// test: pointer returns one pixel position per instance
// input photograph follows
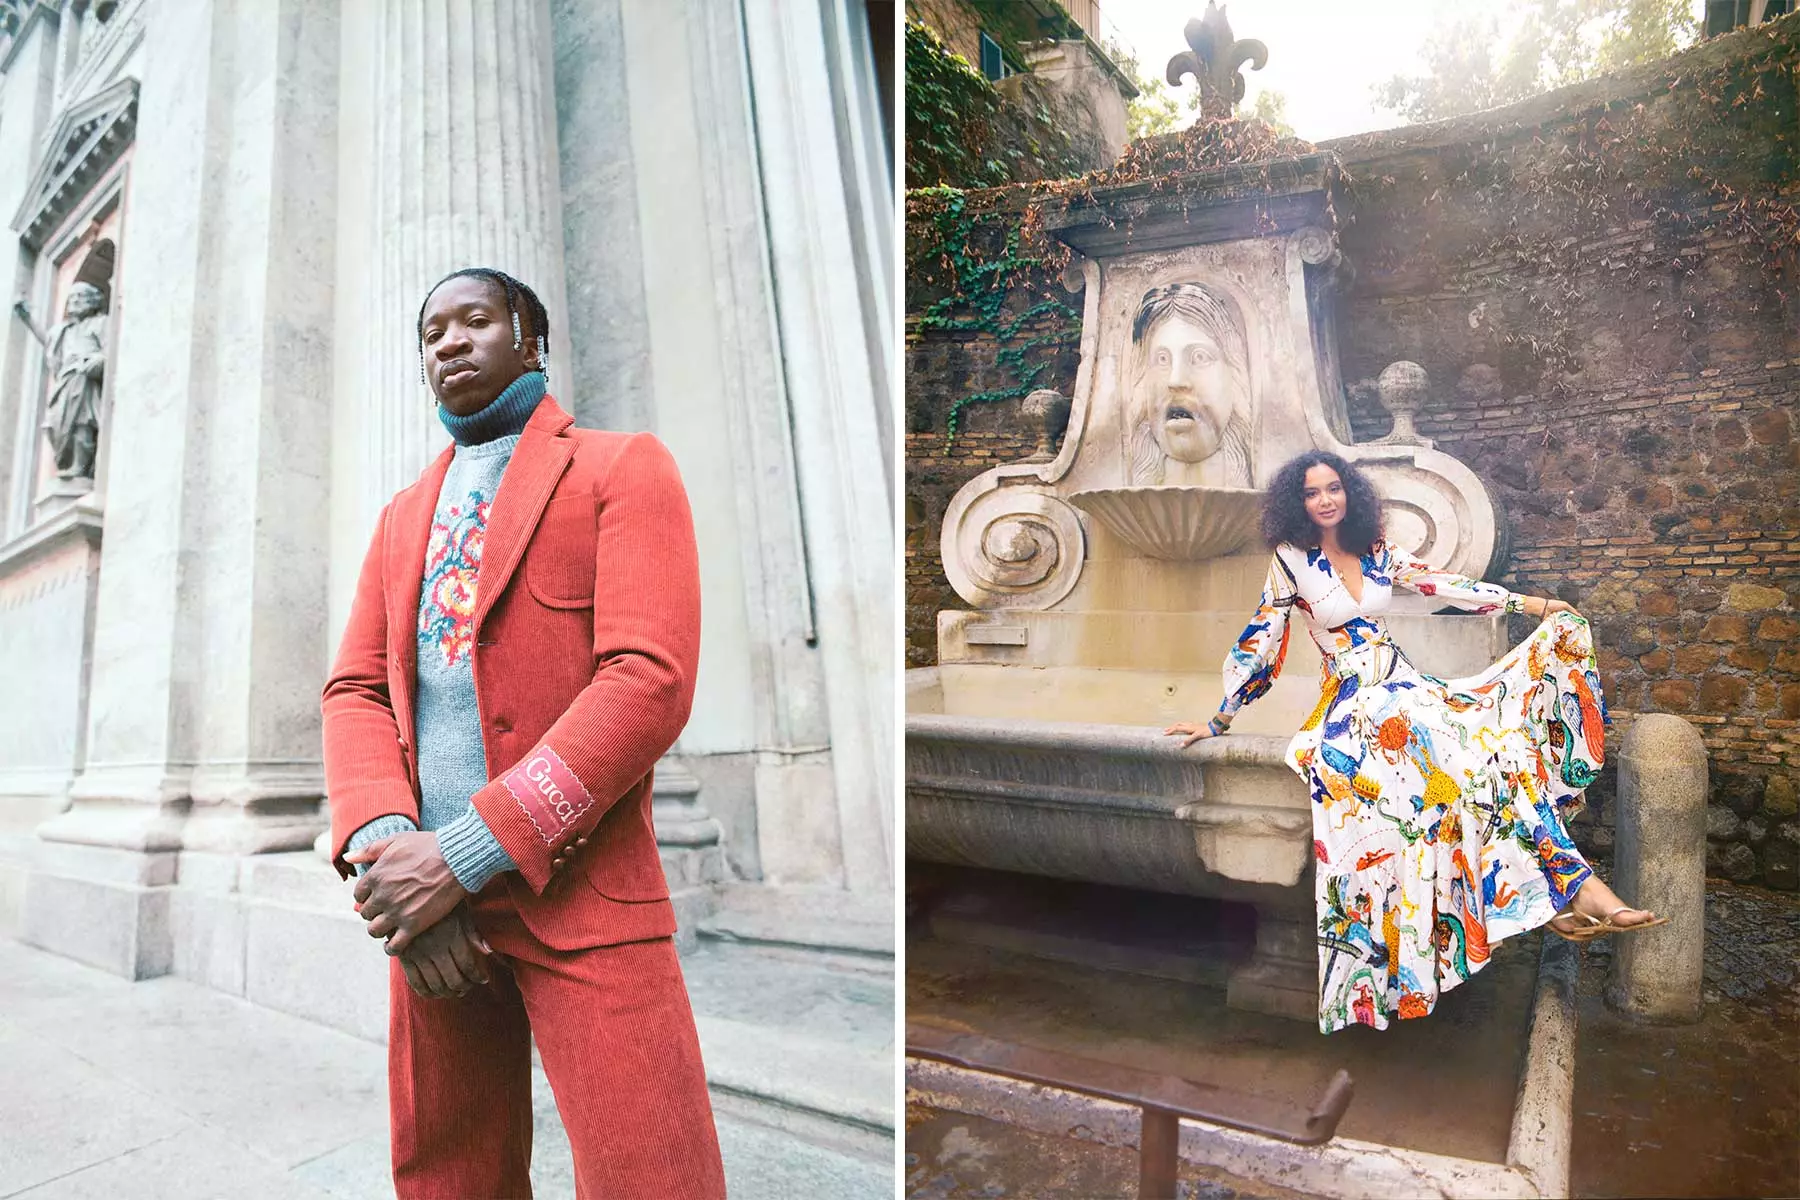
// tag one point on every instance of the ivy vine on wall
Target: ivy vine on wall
(961, 132)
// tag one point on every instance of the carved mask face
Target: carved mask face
(1187, 391)
(83, 301)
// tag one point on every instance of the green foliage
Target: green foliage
(1271, 109)
(1472, 64)
(960, 132)
(1154, 110)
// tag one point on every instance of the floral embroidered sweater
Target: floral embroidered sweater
(447, 724)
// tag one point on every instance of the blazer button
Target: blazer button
(582, 840)
(502, 725)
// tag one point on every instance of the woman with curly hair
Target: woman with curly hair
(1437, 804)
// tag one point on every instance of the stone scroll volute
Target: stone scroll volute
(1009, 541)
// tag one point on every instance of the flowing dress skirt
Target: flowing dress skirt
(1438, 812)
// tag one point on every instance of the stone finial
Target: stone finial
(1401, 389)
(1050, 408)
(1214, 60)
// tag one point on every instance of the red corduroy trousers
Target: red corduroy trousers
(616, 1035)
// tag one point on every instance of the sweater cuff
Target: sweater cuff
(374, 831)
(472, 852)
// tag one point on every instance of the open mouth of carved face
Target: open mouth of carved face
(1185, 417)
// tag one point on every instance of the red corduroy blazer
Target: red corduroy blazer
(587, 634)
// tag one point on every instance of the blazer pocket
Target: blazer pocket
(559, 562)
(629, 875)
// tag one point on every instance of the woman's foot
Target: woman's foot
(1597, 909)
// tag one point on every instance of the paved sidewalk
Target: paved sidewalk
(165, 1088)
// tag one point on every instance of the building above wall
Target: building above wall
(1041, 54)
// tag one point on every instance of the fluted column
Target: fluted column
(460, 129)
(829, 226)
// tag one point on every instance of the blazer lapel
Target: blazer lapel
(540, 459)
(409, 531)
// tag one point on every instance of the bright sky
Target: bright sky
(1324, 55)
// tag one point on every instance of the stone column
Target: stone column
(210, 614)
(1659, 863)
(829, 221)
(452, 104)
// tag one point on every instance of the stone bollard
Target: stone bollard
(1660, 863)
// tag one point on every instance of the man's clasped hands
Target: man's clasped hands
(411, 898)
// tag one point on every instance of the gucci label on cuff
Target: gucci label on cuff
(548, 792)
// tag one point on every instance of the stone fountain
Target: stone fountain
(1107, 581)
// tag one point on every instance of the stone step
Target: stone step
(857, 930)
(797, 1044)
(821, 1091)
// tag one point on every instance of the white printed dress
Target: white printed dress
(1437, 804)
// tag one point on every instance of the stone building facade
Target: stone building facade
(1625, 381)
(262, 191)
(1054, 60)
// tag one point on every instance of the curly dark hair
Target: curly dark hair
(1284, 516)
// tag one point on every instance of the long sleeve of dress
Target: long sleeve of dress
(1474, 595)
(1255, 660)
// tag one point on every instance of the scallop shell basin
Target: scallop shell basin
(1180, 522)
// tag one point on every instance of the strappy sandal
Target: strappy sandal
(1599, 926)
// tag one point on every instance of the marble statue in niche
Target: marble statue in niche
(75, 359)
(1188, 407)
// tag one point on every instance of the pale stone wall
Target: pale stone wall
(1087, 90)
(45, 601)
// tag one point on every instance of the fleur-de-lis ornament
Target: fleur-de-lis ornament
(1214, 62)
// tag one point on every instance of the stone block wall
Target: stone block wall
(1625, 380)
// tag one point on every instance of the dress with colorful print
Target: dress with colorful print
(1438, 804)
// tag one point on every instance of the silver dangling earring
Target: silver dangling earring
(543, 359)
(518, 338)
(423, 380)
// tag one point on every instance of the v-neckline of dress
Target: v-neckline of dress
(1345, 583)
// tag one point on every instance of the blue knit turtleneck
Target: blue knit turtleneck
(505, 414)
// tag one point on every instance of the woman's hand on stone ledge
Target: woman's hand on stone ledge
(1193, 732)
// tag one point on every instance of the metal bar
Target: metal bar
(1159, 1141)
(1144, 1089)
